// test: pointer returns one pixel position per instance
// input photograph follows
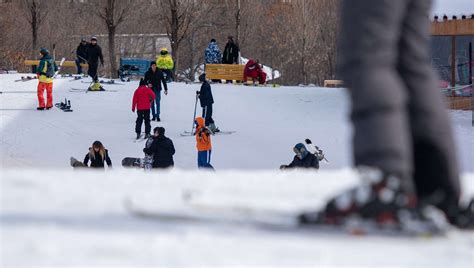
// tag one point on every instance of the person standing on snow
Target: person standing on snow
(165, 63)
(206, 100)
(97, 155)
(303, 158)
(231, 52)
(403, 144)
(81, 55)
(212, 55)
(141, 102)
(154, 78)
(94, 54)
(162, 149)
(203, 144)
(45, 72)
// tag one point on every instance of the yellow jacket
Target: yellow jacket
(164, 62)
(42, 69)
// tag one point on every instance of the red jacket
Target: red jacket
(142, 98)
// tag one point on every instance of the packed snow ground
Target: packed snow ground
(51, 215)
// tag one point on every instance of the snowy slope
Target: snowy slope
(50, 215)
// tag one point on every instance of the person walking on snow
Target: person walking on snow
(94, 54)
(141, 102)
(206, 100)
(161, 149)
(165, 63)
(203, 144)
(303, 158)
(154, 78)
(45, 72)
(81, 55)
(97, 155)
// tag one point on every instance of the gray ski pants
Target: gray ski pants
(399, 118)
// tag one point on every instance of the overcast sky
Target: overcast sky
(453, 7)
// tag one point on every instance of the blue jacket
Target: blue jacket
(212, 54)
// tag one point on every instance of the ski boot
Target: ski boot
(212, 127)
(96, 86)
(381, 202)
(138, 136)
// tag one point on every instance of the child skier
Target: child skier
(45, 72)
(206, 100)
(141, 102)
(97, 155)
(203, 144)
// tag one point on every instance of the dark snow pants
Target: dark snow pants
(207, 114)
(399, 118)
(143, 115)
(92, 70)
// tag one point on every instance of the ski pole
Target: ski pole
(194, 117)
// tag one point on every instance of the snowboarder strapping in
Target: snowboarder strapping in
(162, 149)
(206, 100)
(203, 144)
(81, 55)
(141, 102)
(154, 78)
(253, 70)
(165, 63)
(45, 72)
(303, 158)
(97, 155)
(94, 54)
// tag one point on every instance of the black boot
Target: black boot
(138, 136)
(158, 119)
(40, 108)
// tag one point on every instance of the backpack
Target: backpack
(51, 68)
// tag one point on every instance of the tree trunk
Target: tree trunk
(174, 35)
(112, 59)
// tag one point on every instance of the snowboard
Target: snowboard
(76, 163)
(87, 90)
(221, 132)
(133, 162)
(26, 78)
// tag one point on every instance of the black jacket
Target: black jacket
(81, 52)
(98, 162)
(156, 79)
(231, 53)
(162, 149)
(309, 161)
(205, 95)
(94, 53)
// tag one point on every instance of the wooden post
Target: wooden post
(453, 60)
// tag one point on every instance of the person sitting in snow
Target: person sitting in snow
(203, 144)
(162, 149)
(303, 158)
(141, 102)
(253, 70)
(97, 155)
(206, 100)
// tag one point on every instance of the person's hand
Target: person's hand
(198, 92)
(166, 92)
(150, 85)
(308, 141)
(133, 110)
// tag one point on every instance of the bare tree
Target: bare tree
(113, 13)
(35, 13)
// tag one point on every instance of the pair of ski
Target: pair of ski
(26, 78)
(220, 132)
(87, 90)
(108, 82)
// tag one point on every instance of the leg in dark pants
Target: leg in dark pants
(138, 123)
(400, 124)
(146, 117)
(207, 114)
(92, 71)
(79, 67)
